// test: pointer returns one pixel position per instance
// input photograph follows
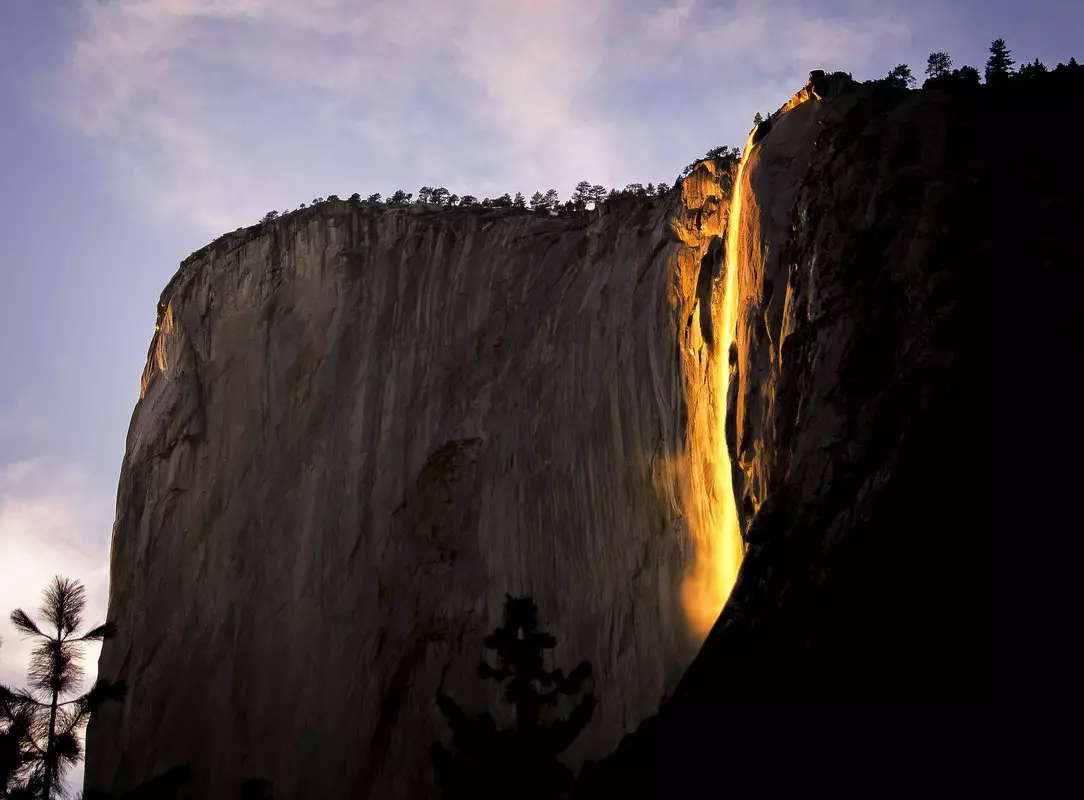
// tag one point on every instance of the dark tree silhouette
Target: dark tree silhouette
(662, 189)
(354, 198)
(486, 763)
(938, 64)
(374, 198)
(999, 64)
(468, 200)
(269, 216)
(519, 201)
(581, 195)
(400, 198)
(1035, 69)
(551, 199)
(439, 196)
(425, 194)
(56, 718)
(900, 77)
(757, 119)
(14, 738)
(967, 75)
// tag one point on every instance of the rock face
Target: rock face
(877, 373)
(358, 429)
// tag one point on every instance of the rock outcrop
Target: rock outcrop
(358, 429)
(878, 380)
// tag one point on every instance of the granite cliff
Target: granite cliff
(897, 256)
(358, 429)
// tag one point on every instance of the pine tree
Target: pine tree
(969, 76)
(373, 198)
(439, 196)
(519, 201)
(938, 64)
(551, 198)
(1035, 69)
(999, 64)
(14, 736)
(486, 763)
(55, 717)
(758, 118)
(900, 77)
(581, 195)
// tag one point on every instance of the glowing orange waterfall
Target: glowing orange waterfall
(714, 518)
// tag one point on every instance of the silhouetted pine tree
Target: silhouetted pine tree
(485, 763)
(938, 64)
(14, 733)
(999, 66)
(900, 77)
(53, 717)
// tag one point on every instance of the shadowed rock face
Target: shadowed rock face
(358, 429)
(898, 253)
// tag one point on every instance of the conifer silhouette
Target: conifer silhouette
(45, 716)
(486, 762)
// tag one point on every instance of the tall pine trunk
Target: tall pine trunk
(47, 789)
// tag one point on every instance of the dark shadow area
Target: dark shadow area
(485, 761)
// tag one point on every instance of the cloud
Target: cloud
(215, 111)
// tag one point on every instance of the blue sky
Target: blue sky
(135, 131)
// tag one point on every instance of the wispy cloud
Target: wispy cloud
(217, 110)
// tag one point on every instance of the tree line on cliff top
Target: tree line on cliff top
(584, 196)
(1000, 71)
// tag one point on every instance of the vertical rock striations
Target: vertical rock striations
(357, 430)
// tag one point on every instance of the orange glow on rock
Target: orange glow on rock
(712, 513)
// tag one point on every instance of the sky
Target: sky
(133, 132)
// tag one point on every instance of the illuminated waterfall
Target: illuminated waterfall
(714, 518)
